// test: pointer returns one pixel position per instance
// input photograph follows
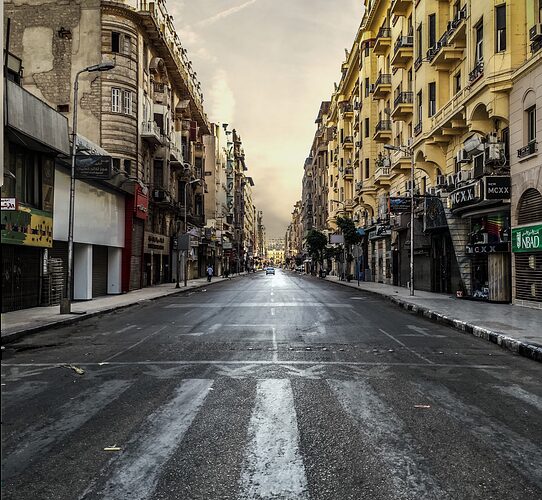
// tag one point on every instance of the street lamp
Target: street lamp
(185, 252)
(408, 150)
(66, 302)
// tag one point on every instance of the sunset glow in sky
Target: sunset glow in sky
(265, 66)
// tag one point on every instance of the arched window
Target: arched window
(530, 207)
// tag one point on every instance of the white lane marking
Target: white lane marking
(521, 394)
(417, 329)
(272, 293)
(256, 304)
(252, 325)
(274, 467)
(215, 328)
(134, 473)
(515, 450)
(125, 329)
(195, 334)
(136, 344)
(410, 471)
(68, 418)
(407, 348)
(275, 346)
(272, 311)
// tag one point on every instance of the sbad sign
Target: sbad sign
(527, 239)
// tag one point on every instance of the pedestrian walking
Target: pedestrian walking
(209, 273)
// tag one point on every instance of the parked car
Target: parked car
(270, 270)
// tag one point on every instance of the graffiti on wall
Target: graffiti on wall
(27, 226)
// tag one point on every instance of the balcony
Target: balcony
(151, 133)
(382, 176)
(347, 110)
(403, 51)
(457, 28)
(382, 131)
(175, 155)
(161, 197)
(400, 160)
(400, 7)
(402, 106)
(160, 93)
(528, 150)
(348, 142)
(476, 73)
(382, 42)
(348, 173)
(382, 86)
(443, 55)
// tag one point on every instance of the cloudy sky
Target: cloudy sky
(265, 66)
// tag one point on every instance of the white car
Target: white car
(269, 270)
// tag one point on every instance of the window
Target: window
(342, 135)
(531, 124)
(419, 40)
(366, 127)
(127, 102)
(158, 173)
(145, 57)
(128, 167)
(457, 82)
(115, 100)
(127, 49)
(479, 38)
(116, 164)
(115, 42)
(505, 138)
(367, 168)
(409, 80)
(432, 30)
(432, 98)
(424, 185)
(420, 107)
(367, 87)
(500, 28)
(24, 180)
(63, 108)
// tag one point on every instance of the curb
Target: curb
(511, 344)
(13, 336)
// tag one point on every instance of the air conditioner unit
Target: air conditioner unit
(450, 180)
(432, 191)
(494, 151)
(386, 162)
(462, 156)
(441, 180)
(462, 176)
(535, 32)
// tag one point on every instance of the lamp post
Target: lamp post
(408, 150)
(185, 252)
(66, 302)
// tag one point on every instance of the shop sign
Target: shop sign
(465, 196)
(227, 245)
(93, 167)
(399, 205)
(435, 217)
(336, 238)
(156, 243)
(27, 226)
(9, 203)
(497, 187)
(527, 238)
(484, 248)
(141, 202)
(381, 231)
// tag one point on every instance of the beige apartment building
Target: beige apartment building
(433, 79)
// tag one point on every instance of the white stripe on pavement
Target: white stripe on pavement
(521, 394)
(135, 473)
(254, 304)
(68, 418)
(274, 467)
(408, 470)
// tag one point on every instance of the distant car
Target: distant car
(269, 270)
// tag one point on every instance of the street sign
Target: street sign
(183, 242)
(93, 167)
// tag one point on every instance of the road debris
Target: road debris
(76, 369)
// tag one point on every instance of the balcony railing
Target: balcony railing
(348, 171)
(403, 42)
(151, 131)
(403, 98)
(418, 62)
(477, 72)
(383, 125)
(382, 172)
(383, 79)
(383, 32)
(528, 150)
(159, 87)
(348, 140)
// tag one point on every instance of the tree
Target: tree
(316, 244)
(348, 228)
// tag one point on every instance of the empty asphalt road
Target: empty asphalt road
(268, 387)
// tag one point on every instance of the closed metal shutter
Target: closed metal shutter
(21, 268)
(529, 276)
(530, 207)
(99, 270)
(60, 251)
(136, 263)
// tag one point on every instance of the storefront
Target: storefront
(485, 204)
(527, 248)
(157, 266)
(380, 257)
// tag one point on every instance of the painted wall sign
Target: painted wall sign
(398, 205)
(141, 202)
(527, 238)
(9, 203)
(497, 187)
(27, 226)
(156, 243)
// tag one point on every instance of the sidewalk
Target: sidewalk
(15, 324)
(518, 329)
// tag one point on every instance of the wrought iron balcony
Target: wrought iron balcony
(382, 86)
(528, 150)
(151, 132)
(402, 105)
(382, 41)
(477, 72)
(382, 131)
(403, 51)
